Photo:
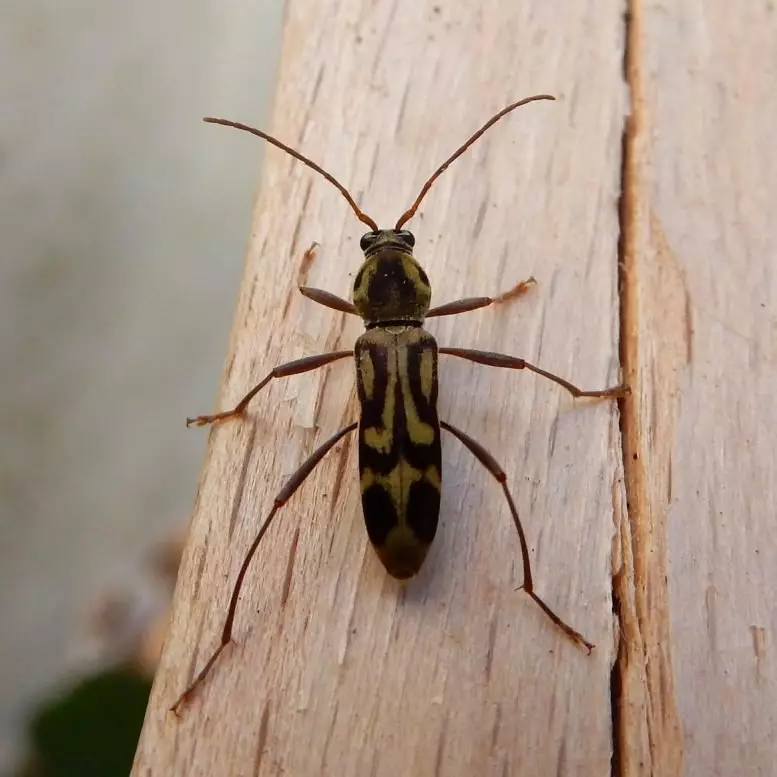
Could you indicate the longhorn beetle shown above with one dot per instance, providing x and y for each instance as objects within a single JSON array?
[{"x": 396, "y": 372}]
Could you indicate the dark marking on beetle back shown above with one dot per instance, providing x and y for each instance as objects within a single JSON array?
[
  {"x": 423, "y": 510},
  {"x": 380, "y": 516}
]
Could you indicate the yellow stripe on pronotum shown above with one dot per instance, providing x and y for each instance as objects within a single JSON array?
[{"x": 400, "y": 458}]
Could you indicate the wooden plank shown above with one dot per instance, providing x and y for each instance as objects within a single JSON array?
[
  {"x": 338, "y": 669},
  {"x": 700, "y": 323}
]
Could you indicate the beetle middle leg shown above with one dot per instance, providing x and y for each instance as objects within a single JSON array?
[
  {"x": 490, "y": 463},
  {"x": 514, "y": 363},
  {"x": 306, "y": 364},
  {"x": 293, "y": 483}
]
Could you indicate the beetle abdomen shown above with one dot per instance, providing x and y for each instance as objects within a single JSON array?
[{"x": 399, "y": 444}]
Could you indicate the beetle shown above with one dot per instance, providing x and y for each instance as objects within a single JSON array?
[{"x": 400, "y": 457}]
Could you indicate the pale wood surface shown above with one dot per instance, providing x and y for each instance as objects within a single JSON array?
[
  {"x": 339, "y": 670},
  {"x": 700, "y": 327}
]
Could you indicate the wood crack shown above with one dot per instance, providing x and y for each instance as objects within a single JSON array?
[{"x": 647, "y": 736}]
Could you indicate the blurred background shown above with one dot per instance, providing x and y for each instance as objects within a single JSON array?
[{"x": 123, "y": 220}]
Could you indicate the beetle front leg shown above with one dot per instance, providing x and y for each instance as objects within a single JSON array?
[
  {"x": 325, "y": 298},
  {"x": 475, "y": 303}
]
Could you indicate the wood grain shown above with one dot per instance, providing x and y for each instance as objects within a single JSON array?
[
  {"x": 338, "y": 669},
  {"x": 700, "y": 325}
]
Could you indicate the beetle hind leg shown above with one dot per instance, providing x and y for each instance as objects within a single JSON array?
[{"x": 490, "y": 463}]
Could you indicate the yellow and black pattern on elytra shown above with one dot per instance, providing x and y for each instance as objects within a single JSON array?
[{"x": 399, "y": 444}]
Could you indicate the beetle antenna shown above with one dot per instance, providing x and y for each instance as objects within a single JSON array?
[
  {"x": 363, "y": 217},
  {"x": 410, "y": 212}
]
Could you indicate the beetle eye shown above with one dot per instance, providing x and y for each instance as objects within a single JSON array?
[
  {"x": 408, "y": 238},
  {"x": 368, "y": 238}
]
